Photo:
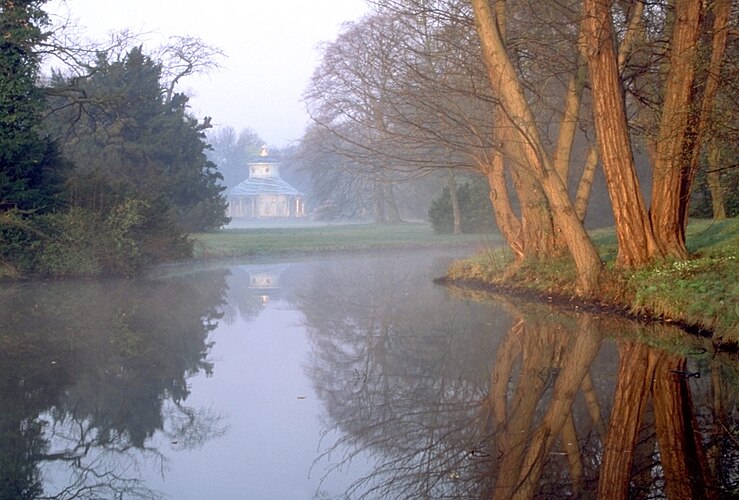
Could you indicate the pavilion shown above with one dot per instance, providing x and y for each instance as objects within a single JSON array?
[{"x": 265, "y": 193}]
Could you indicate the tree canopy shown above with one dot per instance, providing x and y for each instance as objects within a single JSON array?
[
  {"x": 102, "y": 167},
  {"x": 30, "y": 166},
  {"x": 128, "y": 140}
]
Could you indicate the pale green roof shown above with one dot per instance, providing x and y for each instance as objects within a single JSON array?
[{"x": 262, "y": 185}]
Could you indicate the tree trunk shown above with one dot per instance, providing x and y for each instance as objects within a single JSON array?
[
  {"x": 379, "y": 203},
  {"x": 456, "y": 214},
  {"x": 636, "y": 242},
  {"x": 528, "y": 152},
  {"x": 585, "y": 186},
  {"x": 570, "y": 116},
  {"x": 533, "y": 235},
  {"x": 393, "y": 215},
  {"x": 714, "y": 181},
  {"x": 537, "y": 227},
  {"x": 721, "y": 12},
  {"x": 535, "y": 230},
  {"x": 678, "y": 133},
  {"x": 507, "y": 222}
]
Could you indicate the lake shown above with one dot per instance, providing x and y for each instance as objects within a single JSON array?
[{"x": 353, "y": 376}]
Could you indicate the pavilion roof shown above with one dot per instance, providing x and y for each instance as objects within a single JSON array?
[{"x": 262, "y": 185}]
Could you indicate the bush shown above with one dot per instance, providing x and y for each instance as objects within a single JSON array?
[
  {"x": 142, "y": 233},
  {"x": 474, "y": 205},
  {"x": 67, "y": 247},
  {"x": 83, "y": 243}
]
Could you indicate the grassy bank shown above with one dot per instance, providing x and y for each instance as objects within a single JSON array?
[
  {"x": 232, "y": 243},
  {"x": 701, "y": 293}
]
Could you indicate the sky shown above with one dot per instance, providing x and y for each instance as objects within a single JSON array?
[{"x": 271, "y": 49}]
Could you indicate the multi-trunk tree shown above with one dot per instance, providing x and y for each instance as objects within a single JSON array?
[
  {"x": 418, "y": 66},
  {"x": 683, "y": 101}
]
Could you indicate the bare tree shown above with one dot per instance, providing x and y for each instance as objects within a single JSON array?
[{"x": 184, "y": 56}]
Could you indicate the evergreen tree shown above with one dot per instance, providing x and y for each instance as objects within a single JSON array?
[
  {"x": 30, "y": 165},
  {"x": 132, "y": 142}
]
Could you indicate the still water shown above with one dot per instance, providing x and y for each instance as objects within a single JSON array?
[{"x": 349, "y": 377}]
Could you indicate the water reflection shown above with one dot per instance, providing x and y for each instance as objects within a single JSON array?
[
  {"x": 90, "y": 371},
  {"x": 503, "y": 399},
  {"x": 400, "y": 368},
  {"x": 250, "y": 288},
  {"x": 420, "y": 391}
]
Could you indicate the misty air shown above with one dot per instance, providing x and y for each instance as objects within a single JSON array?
[{"x": 368, "y": 249}]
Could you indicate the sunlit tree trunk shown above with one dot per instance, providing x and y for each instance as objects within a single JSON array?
[
  {"x": 532, "y": 235},
  {"x": 678, "y": 133},
  {"x": 584, "y": 187},
  {"x": 527, "y": 151},
  {"x": 636, "y": 242},
  {"x": 508, "y": 224}
]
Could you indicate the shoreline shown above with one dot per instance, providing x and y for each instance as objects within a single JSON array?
[{"x": 577, "y": 304}]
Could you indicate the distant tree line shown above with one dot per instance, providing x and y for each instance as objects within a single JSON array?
[{"x": 102, "y": 169}]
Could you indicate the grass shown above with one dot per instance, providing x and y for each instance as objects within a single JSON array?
[
  {"x": 702, "y": 292},
  {"x": 232, "y": 243}
]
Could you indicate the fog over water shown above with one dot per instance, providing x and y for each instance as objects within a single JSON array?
[{"x": 342, "y": 377}]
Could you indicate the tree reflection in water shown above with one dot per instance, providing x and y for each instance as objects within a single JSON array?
[
  {"x": 502, "y": 399},
  {"x": 93, "y": 374}
]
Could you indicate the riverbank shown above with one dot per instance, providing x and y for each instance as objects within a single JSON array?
[
  {"x": 270, "y": 239},
  {"x": 700, "y": 294},
  {"x": 307, "y": 240}
]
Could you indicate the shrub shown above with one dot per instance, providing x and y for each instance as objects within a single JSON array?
[
  {"x": 67, "y": 247},
  {"x": 474, "y": 206},
  {"x": 84, "y": 243}
]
